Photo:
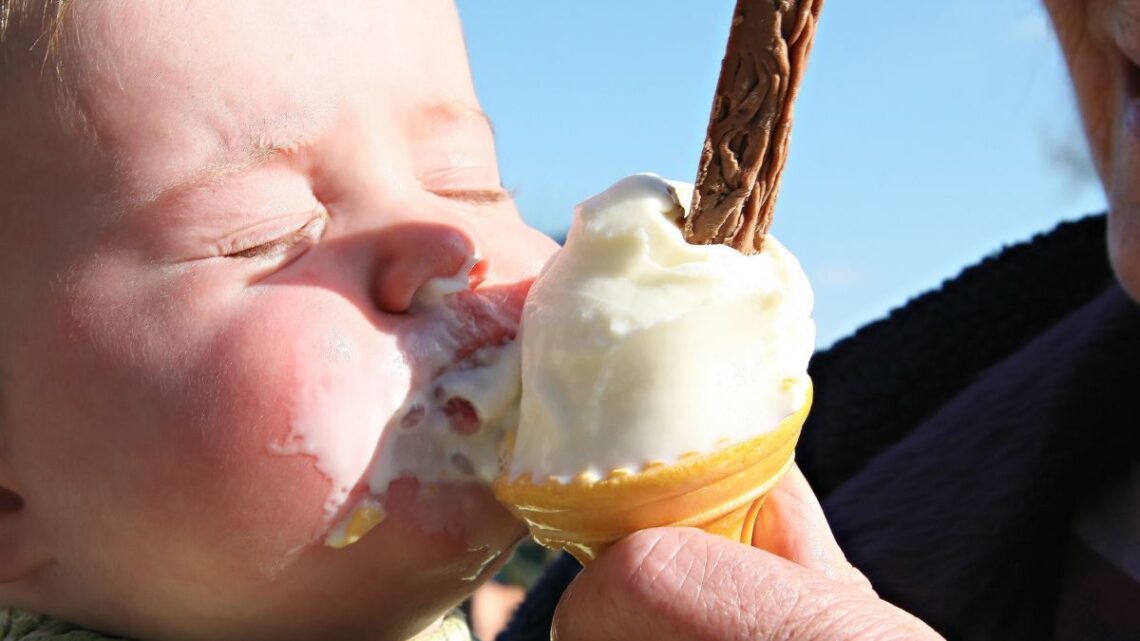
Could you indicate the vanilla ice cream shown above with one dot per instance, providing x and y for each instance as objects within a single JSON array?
[{"x": 640, "y": 348}]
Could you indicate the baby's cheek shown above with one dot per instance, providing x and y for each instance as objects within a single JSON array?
[
  {"x": 300, "y": 405},
  {"x": 305, "y": 404}
]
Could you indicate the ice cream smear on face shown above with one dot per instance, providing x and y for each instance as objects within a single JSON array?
[
  {"x": 451, "y": 425},
  {"x": 639, "y": 348}
]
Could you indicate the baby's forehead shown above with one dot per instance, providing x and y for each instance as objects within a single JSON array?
[
  {"x": 96, "y": 85},
  {"x": 146, "y": 78}
]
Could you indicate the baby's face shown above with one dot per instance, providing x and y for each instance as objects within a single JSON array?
[{"x": 209, "y": 320}]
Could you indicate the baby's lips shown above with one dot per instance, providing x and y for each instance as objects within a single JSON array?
[
  {"x": 507, "y": 298},
  {"x": 488, "y": 316}
]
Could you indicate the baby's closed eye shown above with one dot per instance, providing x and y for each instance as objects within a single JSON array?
[
  {"x": 280, "y": 242},
  {"x": 493, "y": 196}
]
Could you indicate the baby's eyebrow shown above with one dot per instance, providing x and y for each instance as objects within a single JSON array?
[
  {"x": 259, "y": 153},
  {"x": 264, "y": 149},
  {"x": 453, "y": 112}
]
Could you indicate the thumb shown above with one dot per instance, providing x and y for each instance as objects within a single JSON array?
[
  {"x": 791, "y": 524},
  {"x": 679, "y": 584}
]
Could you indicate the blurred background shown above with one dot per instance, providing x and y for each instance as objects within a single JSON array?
[{"x": 928, "y": 134}]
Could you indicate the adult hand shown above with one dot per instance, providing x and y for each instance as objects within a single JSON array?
[{"x": 674, "y": 584}]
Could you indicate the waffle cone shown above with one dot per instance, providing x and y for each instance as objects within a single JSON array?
[{"x": 720, "y": 493}]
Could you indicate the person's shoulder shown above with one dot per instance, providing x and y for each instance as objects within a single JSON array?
[{"x": 883, "y": 380}]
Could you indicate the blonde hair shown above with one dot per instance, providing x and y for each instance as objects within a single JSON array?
[
  {"x": 30, "y": 27},
  {"x": 37, "y": 103}
]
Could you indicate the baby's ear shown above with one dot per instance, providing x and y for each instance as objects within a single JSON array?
[{"x": 22, "y": 552}]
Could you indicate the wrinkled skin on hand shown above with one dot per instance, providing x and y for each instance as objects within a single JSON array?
[{"x": 679, "y": 583}]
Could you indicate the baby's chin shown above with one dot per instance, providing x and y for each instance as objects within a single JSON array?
[
  {"x": 457, "y": 527},
  {"x": 435, "y": 545},
  {"x": 459, "y": 522}
]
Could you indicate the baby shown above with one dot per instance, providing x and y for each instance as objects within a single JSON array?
[{"x": 220, "y": 220}]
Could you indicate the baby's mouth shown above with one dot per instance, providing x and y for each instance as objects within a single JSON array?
[
  {"x": 484, "y": 322},
  {"x": 463, "y": 402}
]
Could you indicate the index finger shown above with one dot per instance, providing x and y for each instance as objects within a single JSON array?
[{"x": 792, "y": 525}]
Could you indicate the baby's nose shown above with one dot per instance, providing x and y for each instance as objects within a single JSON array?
[{"x": 411, "y": 255}]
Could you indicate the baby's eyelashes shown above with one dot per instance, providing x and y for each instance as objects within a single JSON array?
[
  {"x": 308, "y": 233},
  {"x": 475, "y": 196},
  {"x": 466, "y": 178}
]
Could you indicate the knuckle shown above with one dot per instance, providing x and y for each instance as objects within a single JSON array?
[
  {"x": 647, "y": 561},
  {"x": 620, "y": 586}
]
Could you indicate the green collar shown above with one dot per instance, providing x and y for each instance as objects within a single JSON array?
[{"x": 17, "y": 625}]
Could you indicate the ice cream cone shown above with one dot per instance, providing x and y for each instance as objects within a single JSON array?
[{"x": 719, "y": 492}]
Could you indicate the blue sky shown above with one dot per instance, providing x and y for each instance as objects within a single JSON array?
[{"x": 928, "y": 134}]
